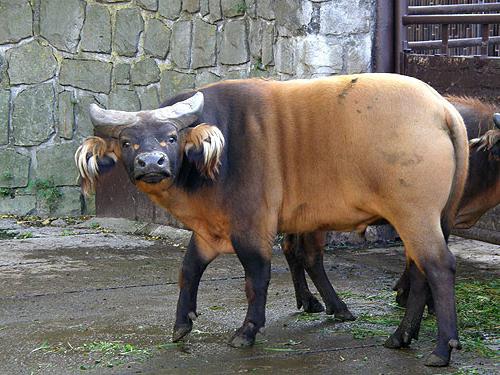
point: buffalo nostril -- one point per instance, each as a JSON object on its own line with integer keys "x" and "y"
{"x": 141, "y": 162}
{"x": 161, "y": 161}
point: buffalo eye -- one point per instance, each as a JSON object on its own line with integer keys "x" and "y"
{"x": 172, "y": 139}
{"x": 125, "y": 144}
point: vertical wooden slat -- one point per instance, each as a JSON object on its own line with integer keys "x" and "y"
{"x": 485, "y": 34}
{"x": 445, "y": 34}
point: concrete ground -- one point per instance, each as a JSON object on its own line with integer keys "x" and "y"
{"x": 80, "y": 298}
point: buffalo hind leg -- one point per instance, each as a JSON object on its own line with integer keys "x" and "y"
{"x": 257, "y": 265}
{"x": 193, "y": 265}
{"x": 295, "y": 258}
{"x": 410, "y": 325}
{"x": 437, "y": 263}
{"x": 313, "y": 245}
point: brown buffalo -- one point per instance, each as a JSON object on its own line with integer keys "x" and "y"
{"x": 482, "y": 192}
{"x": 239, "y": 161}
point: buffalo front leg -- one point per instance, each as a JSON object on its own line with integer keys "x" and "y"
{"x": 402, "y": 289}
{"x": 256, "y": 261}
{"x": 194, "y": 264}
{"x": 295, "y": 259}
{"x": 410, "y": 325}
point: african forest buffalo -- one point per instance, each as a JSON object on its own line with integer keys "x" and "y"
{"x": 239, "y": 161}
{"x": 482, "y": 192}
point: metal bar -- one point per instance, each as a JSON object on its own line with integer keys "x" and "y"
{"x": 384, "y": 55}
{"x": 456, "y": 18}
{"x": 453, "y": 43}
{"x": 445, "y": 34}
{"x": 401, "y": 39}
{"x": 453, "y": 9}
{"x": 485, "y": 35}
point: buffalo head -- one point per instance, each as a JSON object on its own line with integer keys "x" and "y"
{"x": 151, "y": 144}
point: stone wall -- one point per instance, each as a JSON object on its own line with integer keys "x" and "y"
{"x": 59, "y": 56}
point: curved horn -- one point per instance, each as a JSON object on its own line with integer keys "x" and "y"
{"x": 185, "y": 112}
{"x": 110, "y": 122}
{"x": 496, "y": 120}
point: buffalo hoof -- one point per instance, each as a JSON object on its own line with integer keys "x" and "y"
{"x": 244, "y": 337}
{"x": 344, "y": 316}
{"x": 393, "y": 342}
{"x": 436, "y": 361}
{"x": 312, "y": 305}
{"x": 180, "y": 331}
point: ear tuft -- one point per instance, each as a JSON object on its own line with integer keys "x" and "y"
{"x": 94, "y": 156}
{"x": 204, "y": 146}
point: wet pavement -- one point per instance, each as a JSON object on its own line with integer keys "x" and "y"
{"x": 83, "y": 299}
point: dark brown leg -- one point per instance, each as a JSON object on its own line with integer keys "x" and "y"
{"x": 410, "y": 325}
{"x": 193, "y": 266}
{"x": 257, "y": 265}
{"x": 313, "y": 245}
{"x": 295, "y": 259}
{"x": 441, "y": 277}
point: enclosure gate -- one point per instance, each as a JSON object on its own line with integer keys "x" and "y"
{"x": 455, "y": 48}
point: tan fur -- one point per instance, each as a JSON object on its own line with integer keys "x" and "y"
{"x": 210, "y": 139}
{"x": 89, "y": 171}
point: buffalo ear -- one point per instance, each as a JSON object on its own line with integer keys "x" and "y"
{"x": 496, "y": 120}
{"x": 203, "y": 147}
{"x": 95, "y": 156}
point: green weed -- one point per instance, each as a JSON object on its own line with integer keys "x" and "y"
{"x": 47, "y": 191}
{"x": 308, "y": 317}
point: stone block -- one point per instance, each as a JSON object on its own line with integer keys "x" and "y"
{"x": 148, "y": 4}
{"x": 204, "y": 44}
{"x": 31, "y": 63}
{"x": 233, "y": 8}
{"x": 318, "y": 56}
{"x": 61, "y": 22}
{"x": 84, "y": 127}
{"x": 65, "y": 115}
{"x": 180, "y": 48}
{"x": 234, "y": 49}
{"x": 215, "y": 11}
{"x": 16, "y": 21}
{"x": 337, "y": 17}
{"x": 191, "y": 6}
{"x": 113, "y": 1}
{"x": 291, "y": 16}
{"x": 284, "y": 55}
{"x": 359, "y": 54}
{"x": 173, "y": 82}
{"x": 145, "y": 72}
{"x": 33, "y": 115}
{"x": 121, "y": 73}
{"x": 4, "y": 116}
{"x": 170, "y": 9}
{"x": 69, "y": 203}
{"x": 148, "y": 97}
{"x": 56, "y": 163}
{"x": 251, "y": 8}
{"x": 19, "y": 205}
{"x": 123, "y": 98}
{"x": 157, "y": 38}
{"x": 204, "y": 9}
{"x": 128, "y": 28}
{"x": 205, "y": 78}
{"x": 261, "y": 40}
{"x": 265, "y": 9}
{"x": 96, "y": 32}
{"x": 89, "y": 75}
{"x": 15, "y": 169}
